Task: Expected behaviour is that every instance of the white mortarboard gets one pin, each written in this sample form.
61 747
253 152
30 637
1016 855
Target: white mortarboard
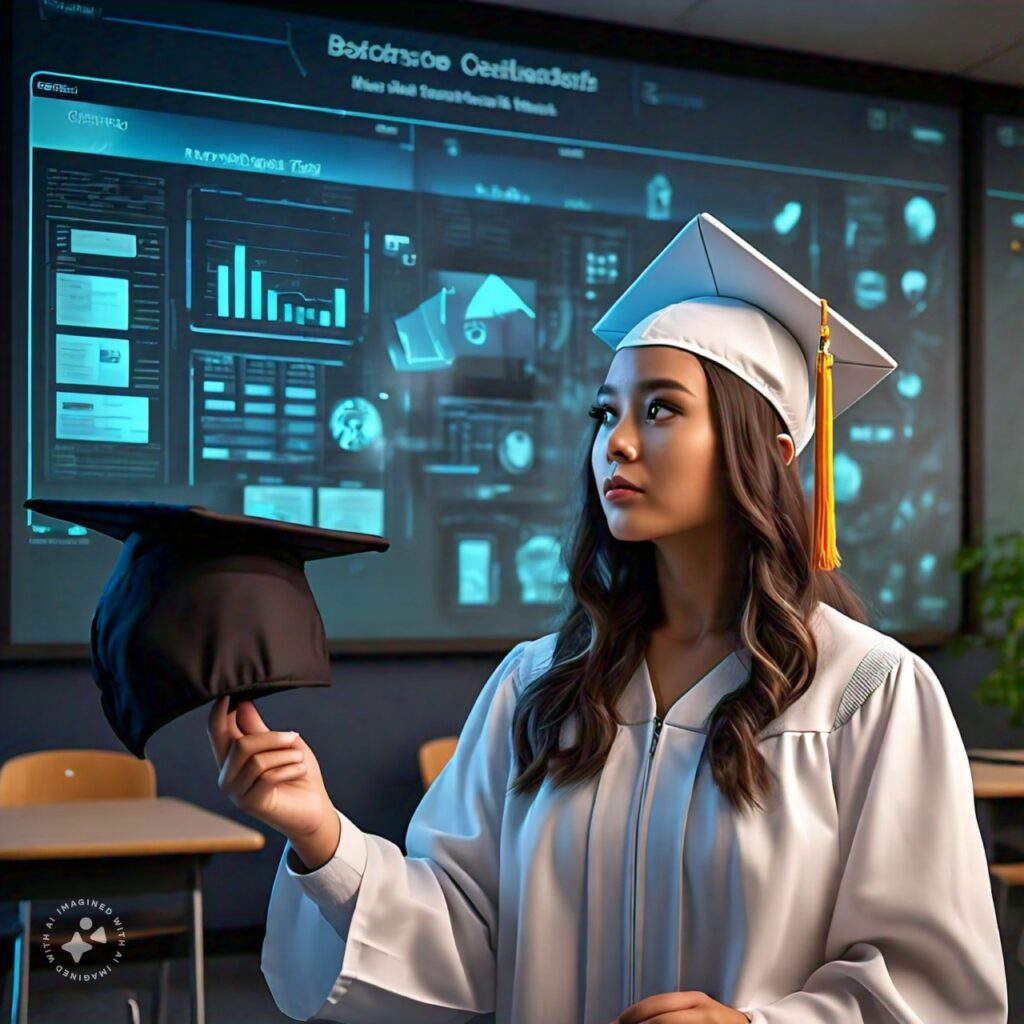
711 293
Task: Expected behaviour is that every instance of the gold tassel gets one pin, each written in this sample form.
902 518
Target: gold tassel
825 554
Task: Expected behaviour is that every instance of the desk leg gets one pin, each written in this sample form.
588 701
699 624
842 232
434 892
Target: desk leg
22 957
198 988
986 826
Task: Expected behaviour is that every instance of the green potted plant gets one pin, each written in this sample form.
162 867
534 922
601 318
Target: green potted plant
1000 560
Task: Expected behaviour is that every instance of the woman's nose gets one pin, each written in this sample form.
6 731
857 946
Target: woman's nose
620 449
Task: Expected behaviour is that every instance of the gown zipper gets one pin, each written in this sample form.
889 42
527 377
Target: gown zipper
636 852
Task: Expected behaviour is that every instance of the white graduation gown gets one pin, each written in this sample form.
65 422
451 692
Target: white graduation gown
861 894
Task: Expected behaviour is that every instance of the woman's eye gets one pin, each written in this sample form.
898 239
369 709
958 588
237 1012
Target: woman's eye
597 412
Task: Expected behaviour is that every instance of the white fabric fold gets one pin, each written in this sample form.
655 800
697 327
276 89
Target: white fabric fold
334 885
912 936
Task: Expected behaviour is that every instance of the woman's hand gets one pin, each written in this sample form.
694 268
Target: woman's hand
272 776
680 1008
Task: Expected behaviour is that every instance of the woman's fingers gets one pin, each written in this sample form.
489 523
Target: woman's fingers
258 765
273 776
248 718
262 768
243 749
222 729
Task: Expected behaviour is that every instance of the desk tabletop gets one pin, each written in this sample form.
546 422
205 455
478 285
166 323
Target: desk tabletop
1014 755
1002 777
119 828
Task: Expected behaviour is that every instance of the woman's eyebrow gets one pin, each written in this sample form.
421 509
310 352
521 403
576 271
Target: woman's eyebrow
647 385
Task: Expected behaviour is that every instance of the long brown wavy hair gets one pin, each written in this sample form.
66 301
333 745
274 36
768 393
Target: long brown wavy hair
614 604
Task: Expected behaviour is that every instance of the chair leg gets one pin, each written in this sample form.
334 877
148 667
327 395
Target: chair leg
1002 890
198 992
161 991
22 951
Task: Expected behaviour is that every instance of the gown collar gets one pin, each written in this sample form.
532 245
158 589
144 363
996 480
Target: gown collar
637 704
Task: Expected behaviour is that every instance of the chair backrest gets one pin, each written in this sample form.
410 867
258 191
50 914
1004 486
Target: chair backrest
433 756
56 776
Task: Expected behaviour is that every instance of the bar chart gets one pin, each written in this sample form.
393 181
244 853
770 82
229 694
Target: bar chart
273 267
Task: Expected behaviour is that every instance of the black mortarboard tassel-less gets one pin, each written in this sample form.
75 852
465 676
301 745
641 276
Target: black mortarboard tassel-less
200 605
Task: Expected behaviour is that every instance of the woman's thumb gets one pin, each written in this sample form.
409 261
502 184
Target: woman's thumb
247 718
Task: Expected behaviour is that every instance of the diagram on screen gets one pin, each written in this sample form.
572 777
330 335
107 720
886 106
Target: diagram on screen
467 315
265 267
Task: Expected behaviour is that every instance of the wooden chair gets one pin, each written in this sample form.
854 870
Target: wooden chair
1006 876
56 776
433 756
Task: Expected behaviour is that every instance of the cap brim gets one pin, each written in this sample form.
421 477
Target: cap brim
708 259
192 523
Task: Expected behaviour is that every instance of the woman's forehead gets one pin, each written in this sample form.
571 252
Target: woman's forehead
634 364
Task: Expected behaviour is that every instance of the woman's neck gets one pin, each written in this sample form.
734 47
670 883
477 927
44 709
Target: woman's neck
701 577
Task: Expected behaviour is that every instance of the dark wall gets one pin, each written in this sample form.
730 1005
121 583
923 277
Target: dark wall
365 731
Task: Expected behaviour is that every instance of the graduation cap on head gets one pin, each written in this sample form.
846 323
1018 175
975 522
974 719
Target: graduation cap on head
200 605
711 293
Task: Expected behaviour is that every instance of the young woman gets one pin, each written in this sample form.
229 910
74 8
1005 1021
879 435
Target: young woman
716 794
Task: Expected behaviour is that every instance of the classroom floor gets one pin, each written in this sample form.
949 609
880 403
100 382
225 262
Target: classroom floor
236 991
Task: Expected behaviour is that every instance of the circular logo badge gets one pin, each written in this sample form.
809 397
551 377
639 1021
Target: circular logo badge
97 940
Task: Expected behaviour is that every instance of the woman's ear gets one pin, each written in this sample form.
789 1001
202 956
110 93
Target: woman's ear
787 447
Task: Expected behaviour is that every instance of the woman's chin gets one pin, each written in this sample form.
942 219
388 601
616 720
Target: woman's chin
621 529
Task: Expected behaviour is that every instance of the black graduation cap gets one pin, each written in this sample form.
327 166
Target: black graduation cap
200 605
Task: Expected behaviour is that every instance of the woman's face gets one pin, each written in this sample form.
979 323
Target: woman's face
662 439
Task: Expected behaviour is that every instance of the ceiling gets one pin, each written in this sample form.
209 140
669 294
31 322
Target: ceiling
978 39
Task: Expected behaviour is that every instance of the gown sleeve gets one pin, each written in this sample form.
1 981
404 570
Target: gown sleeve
374 937
913 937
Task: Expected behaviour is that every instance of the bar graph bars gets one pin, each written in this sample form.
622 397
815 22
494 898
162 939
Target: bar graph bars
240 281
261 303
223 286
289 267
